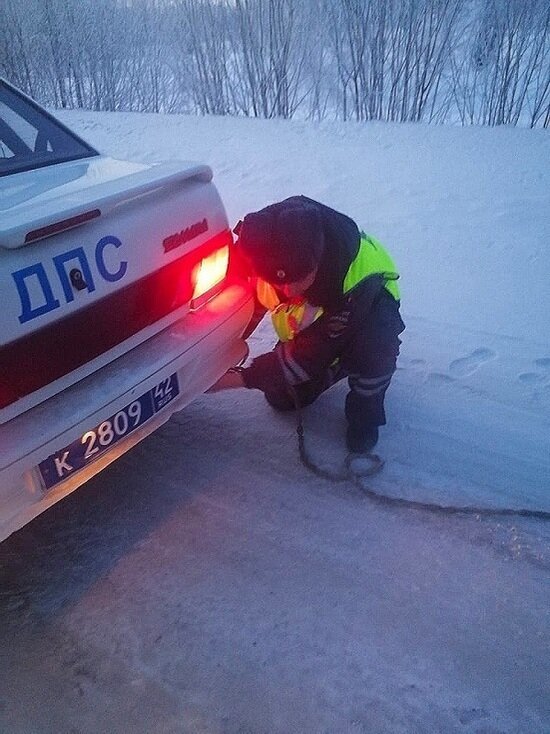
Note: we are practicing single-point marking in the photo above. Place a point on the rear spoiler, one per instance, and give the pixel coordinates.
(42, 220)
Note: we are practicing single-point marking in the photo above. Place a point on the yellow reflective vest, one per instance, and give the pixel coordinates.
(290, 318)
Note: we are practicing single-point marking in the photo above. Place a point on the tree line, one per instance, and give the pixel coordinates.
(460, 61)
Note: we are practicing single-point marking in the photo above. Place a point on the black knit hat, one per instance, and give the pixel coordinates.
(284, 243)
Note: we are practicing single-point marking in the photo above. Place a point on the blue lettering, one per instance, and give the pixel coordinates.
(50, 303)
(99, 258)
(34, 289)
(84, 274)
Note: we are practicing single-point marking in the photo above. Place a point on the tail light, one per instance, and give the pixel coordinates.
(62, 346)
(209, 276)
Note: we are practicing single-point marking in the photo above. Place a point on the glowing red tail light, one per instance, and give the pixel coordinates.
(57, 349)
(209, 276)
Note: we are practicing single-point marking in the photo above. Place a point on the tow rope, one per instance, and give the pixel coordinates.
(349, 474)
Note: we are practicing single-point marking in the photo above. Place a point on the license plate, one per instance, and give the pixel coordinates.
(97, 441)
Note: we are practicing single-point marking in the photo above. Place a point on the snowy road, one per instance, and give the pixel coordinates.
(239, 594)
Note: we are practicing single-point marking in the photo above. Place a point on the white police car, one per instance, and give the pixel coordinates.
(116, 308)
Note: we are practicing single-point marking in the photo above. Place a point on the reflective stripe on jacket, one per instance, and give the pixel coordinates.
(291, 317)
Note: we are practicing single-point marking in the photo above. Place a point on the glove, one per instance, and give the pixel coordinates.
(231, 380)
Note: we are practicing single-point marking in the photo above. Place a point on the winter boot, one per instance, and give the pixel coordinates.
(362, 442)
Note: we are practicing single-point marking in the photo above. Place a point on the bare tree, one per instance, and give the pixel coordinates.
(16, 45)
(391, 55)
(482, 62)
(504, 66)
(268, 57)
(202, 29)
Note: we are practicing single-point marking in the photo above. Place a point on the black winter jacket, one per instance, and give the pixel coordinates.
(314, 350)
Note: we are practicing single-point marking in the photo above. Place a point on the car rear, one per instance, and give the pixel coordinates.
(116, 312)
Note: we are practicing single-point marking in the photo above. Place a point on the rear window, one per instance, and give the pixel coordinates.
(31, 138)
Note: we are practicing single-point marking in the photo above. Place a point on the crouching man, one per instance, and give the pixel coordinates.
(334, 301)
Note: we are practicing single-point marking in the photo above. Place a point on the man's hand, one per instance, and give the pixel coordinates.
(231, 380)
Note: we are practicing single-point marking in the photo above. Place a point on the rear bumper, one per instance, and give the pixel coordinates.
(198, 348)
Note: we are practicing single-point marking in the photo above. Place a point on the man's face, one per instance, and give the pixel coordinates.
(299, 287)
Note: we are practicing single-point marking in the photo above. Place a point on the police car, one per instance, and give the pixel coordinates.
(116, 310)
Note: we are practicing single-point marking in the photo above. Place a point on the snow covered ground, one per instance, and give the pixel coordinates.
(207, 583)
(466, 213)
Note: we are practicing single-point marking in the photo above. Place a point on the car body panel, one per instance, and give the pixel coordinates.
(35, 275)
(55, 183)
(199, 348)
(101, 182)
(98, 262)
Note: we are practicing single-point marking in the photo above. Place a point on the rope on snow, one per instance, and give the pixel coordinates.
(376, 466)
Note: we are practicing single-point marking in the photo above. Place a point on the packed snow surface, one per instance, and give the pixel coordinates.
(207, 583)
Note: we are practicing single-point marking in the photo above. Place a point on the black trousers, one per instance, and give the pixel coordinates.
(368, 363)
